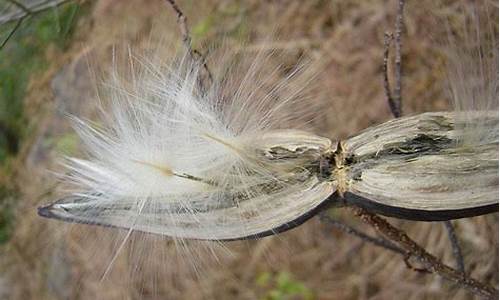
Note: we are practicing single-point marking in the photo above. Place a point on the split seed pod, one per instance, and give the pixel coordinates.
(217, 164)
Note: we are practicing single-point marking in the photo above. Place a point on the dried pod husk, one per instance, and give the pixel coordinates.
(418, 167)
(249, 210)
(214, 162)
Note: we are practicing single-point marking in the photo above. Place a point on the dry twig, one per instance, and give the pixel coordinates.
(388, 37)
(11, 33)
(21, 6)
(394, 99)
(32, 9)
(380, 242)
(186, 40)
(430, 262)
(457, 251)
(397, 89)
(25, 12)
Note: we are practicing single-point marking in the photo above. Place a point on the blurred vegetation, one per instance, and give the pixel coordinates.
(22, 58)
(282, 286)
(67, 144)
(206, 28)
(6, 213)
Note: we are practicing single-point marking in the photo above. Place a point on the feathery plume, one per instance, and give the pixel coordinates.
(472, 67)
(215, 165)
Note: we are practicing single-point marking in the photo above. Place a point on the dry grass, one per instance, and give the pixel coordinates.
(44, 262)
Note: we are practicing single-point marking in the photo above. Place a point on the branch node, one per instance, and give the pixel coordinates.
(406, 260)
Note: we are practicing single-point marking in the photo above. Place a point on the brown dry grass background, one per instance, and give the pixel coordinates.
(46, 260)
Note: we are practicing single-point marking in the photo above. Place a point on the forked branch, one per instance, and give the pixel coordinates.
(26, 10)
(380, 242)
(430, 262)
(394, 100)
(23, 12)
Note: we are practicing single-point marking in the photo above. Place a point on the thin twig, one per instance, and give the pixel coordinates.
(11, 33)
(388, 37)
(31, 9)
(21, 6)
(24, 12)
(431, 263)
(380, 242)
(181, 20)
(394, 98)
(395, 104)
(397, 90)
(187, 41)
(457, 251)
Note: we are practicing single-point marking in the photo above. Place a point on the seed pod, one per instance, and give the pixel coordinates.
(216, 163)
(294, 191)
(417, 168)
